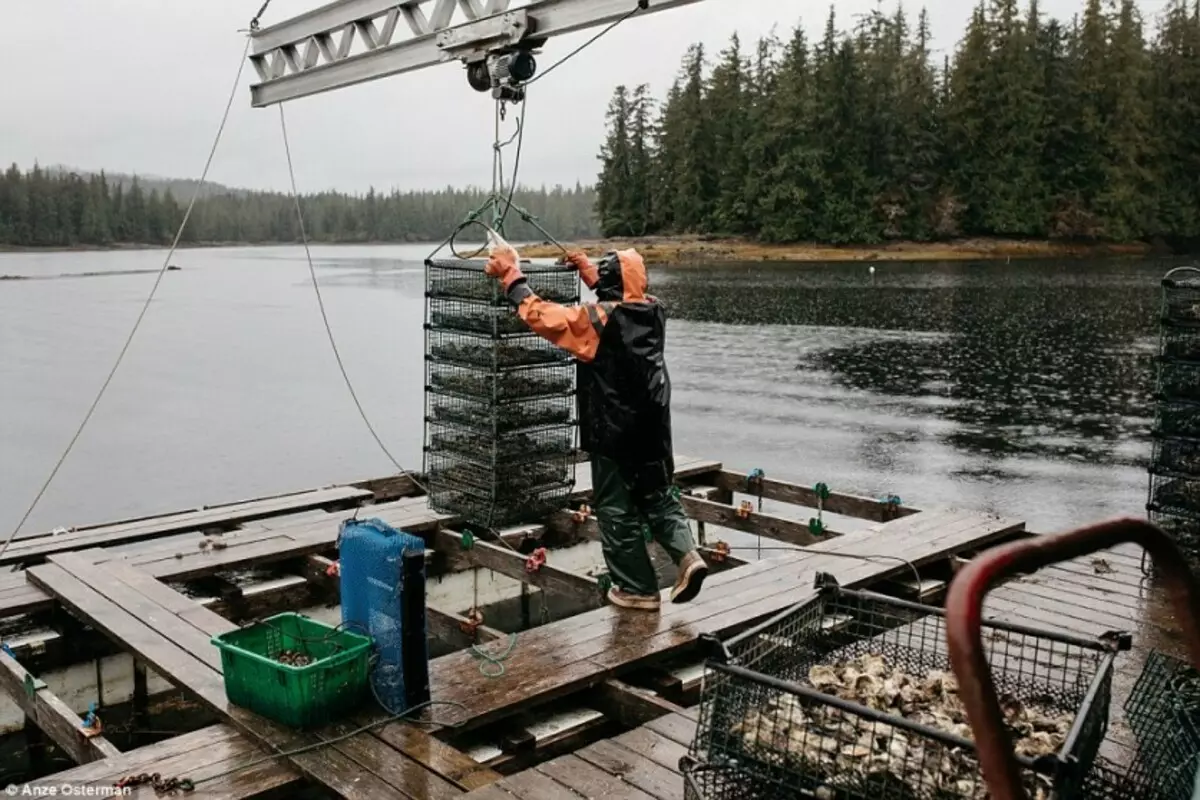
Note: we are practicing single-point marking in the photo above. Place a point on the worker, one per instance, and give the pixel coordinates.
(624, 415)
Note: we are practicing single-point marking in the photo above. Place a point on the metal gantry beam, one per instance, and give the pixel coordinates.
(353, 41)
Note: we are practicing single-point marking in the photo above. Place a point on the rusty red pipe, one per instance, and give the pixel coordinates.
(964, 618)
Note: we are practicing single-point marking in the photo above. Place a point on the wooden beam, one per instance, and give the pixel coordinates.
(847, 505)
(35, 549)
(391, 487)
(714, 493)
(52, 715)
(447, 627)
(778, 528)
(629, 705)
(512, 564)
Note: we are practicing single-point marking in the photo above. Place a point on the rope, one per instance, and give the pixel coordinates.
(312, 271)
(498, 660)
(496, 197)
(145, 306)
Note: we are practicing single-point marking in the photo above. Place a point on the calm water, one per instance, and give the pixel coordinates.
(1020, 388)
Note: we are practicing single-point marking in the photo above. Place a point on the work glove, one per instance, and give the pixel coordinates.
(502, 265)
(587, 270)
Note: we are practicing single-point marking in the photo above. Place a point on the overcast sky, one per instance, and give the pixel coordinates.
(139, 86)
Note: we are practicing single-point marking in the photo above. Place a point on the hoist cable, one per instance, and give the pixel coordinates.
(312, 271)
(145, 306)
(641, 6)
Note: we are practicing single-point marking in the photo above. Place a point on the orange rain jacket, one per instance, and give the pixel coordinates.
(624, 390)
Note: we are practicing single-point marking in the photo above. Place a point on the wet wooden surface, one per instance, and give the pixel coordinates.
(203, 754)
(643, 763)
(555, 659)
(1088, 597)
(168, 547)
(171, 634)
(35, 548)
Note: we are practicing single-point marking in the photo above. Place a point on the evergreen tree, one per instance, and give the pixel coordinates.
(1034, 128)
(614, 189)
(58, 209)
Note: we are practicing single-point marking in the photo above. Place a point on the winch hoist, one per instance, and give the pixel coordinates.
(354, 41)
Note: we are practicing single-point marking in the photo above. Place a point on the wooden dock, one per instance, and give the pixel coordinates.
(619, 672)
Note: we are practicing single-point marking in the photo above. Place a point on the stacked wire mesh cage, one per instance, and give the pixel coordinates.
(500, 429)
(850, 696)
(1163, 710)
(1174, 495)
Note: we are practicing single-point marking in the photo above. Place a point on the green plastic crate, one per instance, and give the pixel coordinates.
(335, 683)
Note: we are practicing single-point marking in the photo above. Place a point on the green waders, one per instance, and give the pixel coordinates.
(621, 517)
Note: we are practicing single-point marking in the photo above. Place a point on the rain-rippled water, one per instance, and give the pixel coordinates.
(1023, 388)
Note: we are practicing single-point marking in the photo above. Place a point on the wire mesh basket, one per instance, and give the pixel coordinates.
(1163, 710)
(499, 419)
(486, 509)
(465, 315)
(1181, 343)
(506, 449)
(1177, 455)
(465, 279)
(1178, 381)
(528, 477)
(487, 386)
(481, 350)
(849, 696)
(1177, 418)
(1173, 494)
(1181, 297)
(1107, 780)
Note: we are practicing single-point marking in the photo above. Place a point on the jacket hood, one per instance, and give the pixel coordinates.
(634, 281)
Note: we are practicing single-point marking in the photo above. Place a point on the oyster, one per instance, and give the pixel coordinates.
(848, 755)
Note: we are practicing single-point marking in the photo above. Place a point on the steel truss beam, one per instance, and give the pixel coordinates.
(353, 41)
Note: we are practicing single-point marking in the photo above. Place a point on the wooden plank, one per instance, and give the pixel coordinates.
(772, 527)
(534, 785)
(201, 756)
(52, 715)
(412, 779)
(390, 487)
(507, 562)
(676, 727)
(630, 705)
(846, 505)
(489, 793)
(634, 769)
(277, 548)
(34, 549)
(24, 599)
(654, 746)
(575, 773)
(438, 757)
(159, 619)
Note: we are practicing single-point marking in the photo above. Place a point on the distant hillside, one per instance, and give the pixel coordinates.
(64, 207)
(181, 188)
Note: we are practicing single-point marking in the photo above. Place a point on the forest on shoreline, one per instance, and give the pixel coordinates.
(63, 209)
(1035, 128)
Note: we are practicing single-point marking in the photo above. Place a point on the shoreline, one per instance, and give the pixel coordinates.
(699, 249)
(703, 249)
